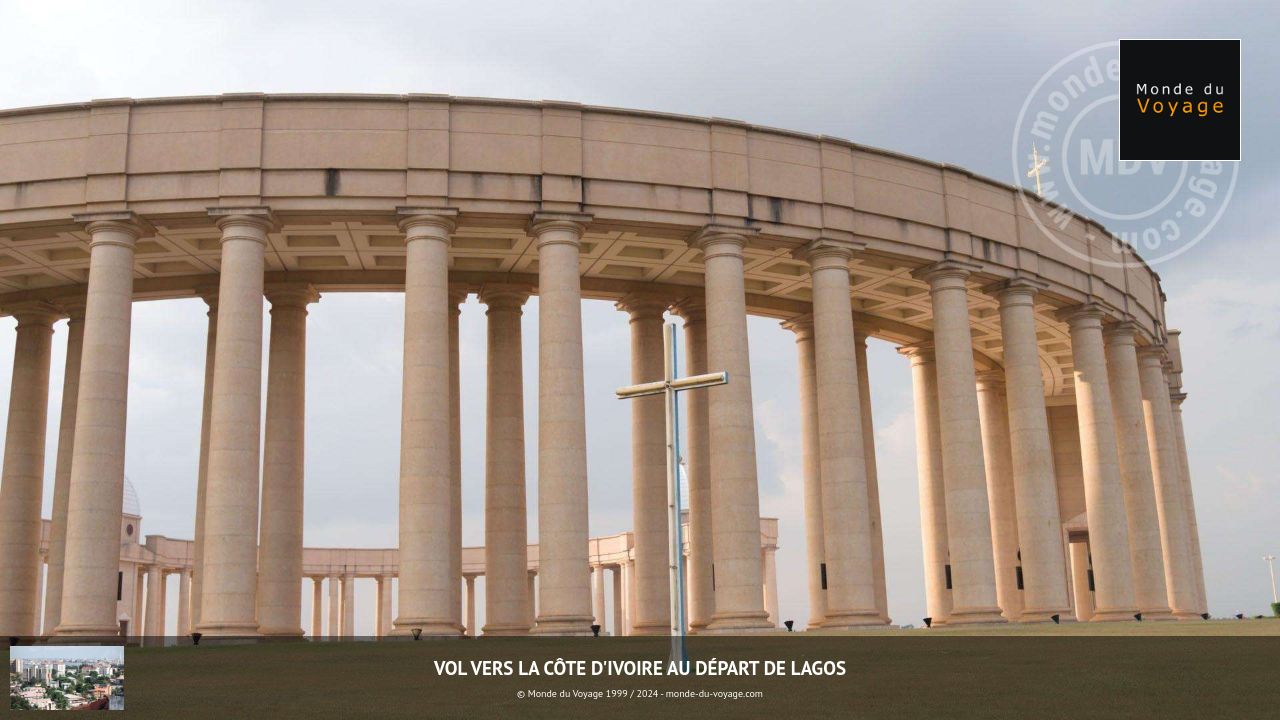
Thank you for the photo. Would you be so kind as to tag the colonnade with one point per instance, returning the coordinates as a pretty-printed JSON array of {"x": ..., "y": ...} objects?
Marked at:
[
  {"x": 994, "y": 543},
  {"x": 995, "y": 546}
]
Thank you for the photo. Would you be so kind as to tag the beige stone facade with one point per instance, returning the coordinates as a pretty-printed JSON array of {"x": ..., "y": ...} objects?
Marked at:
[{"x": 1048, "y": 388}]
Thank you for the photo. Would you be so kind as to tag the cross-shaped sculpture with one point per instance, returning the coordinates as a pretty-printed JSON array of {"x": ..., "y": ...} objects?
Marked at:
[{"x": 670, "y": 386}]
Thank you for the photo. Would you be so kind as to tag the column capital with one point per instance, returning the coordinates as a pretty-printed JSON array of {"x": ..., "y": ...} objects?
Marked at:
[
  {"x": 1176, "y": 398},
  {"x": 1016, "y": 291},
  {"x": 1152, "y": 355},
  {"x": 692, "y": 308},
  {"x": 291, "y": 295},
  {"x": 801, "y": 325},
  {"x": 114, "y": 228},
  {"x": 715, "y": 240},
  {"x": 644, "y": 305},
  {"x": 571, "y": 225},
  {"x": 1121, "y": 333},
  {"x": 504, "y": 296},
  {"x": 1082, "y": 315},
  {"x": 209, "y": 293},
  {"x": 419, "y": 223},
  {"x": 921, "y": 352},
  {"x": 826, "y": 252},
  {"x": 72, "y": 307},
  {"x": 252, "y": 222},
  {"x": 860, "y": 335},
  {"x": 457, "y": 295},
  {"x": 34, "y": 313},
  {"x": 993, "y": 379},
  {"x": 946, "y": 273}
]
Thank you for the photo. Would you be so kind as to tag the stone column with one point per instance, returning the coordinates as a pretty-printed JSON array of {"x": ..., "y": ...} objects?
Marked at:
[
  {"x": 202, "y": 472},
  {"x": 506, "y": 561},
  {"x": 97, "y": 467},
  {"x": 806, "y": 369},
  {"x": 626, "y": 597},
  {"x": 155, "y": 606},
  {"x": 873, "y": 482},
  {"x": 139, "y": 603},
  {"x": 228, "y": 605},
  {"x": 184, "y": 602},
  {"x": 735, "y": 497},
  {"x": 426, "y": 470},
  {"x": 994, "y": 415},
  {"x": 770, "y": 572},
  {"x": 649, "y": 467},
  {"x": 564, "y": 607},
  {"x": 384, "y": 605},
  {"x": 74, "y": 308},
  {"x": 317, "y": 607},
  {"x": 457, "y": 296},
  {"x": 348, "y": 605},
  {"x": 335, "y": 607},
  {"x": 1080, "y": 581},
  {"x": 973, "y": 594},
  {"x": 280, "y": 543},
  {"x": 471, "y": 605},
  {"x": 701, "y": 594},
  {"x": 1044, "y": 571},
  {"x": 933, "y": 501},
  {"x": 631, "y": 596},
  {"x": 1135, "y": 473},
  {"x": 533, "y": 598},
  {"x": 851, "y": 599},
  {"x": 1176, "y": 398},
  {"x": 1104, "y": 494},
  {"x": 1171, "y": 511},
  {"x": 23, "y": 480},
  {"x": 1188, "y": 499},
  {"x": 597, "y": 594},
  {"x": 618, "y": 629}
]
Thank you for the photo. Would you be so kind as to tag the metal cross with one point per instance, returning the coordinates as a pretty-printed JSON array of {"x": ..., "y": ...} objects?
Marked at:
[
  {"x": 1037, "y": 164},
  {"x": 1271, "y": 565},
  {"x": 670, "y": 386}
]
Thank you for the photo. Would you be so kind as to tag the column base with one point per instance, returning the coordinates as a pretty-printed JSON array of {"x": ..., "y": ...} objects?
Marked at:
[
  {"x": 1157, "y": 615},
  {"x": 851, "y": 619},
  {"x": 651, "y": 629},
  {"x": 729, "y": 623},
  {"x": 229, "y": 630},
  {"x": 1032, "y": 617},
  {"x": 567, "y": 625},
  {"x": 1114, "y": 615},
  {"x": 511, "y": 630},
  {"x": 281, "y": 633},
  {"x": 403, "y": 628},
  {"x": 975, "y": 616},
  {"x": 1186, "y": 615},
  {"x": 85, "y": 631}
]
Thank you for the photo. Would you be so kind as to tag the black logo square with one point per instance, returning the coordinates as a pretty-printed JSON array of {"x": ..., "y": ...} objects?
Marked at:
[{"x": 1179, "y": 99}]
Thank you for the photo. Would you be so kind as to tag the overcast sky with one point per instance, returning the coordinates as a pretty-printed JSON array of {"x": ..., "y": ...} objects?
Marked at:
[{"x": 943, "y": 82}]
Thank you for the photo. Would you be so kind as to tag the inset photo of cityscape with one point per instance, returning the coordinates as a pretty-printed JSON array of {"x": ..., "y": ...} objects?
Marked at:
[{"x": 66, "y": 677}]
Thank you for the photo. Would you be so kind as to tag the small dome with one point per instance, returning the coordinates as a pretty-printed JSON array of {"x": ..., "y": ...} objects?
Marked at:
[{"x": 131, "y": 506}]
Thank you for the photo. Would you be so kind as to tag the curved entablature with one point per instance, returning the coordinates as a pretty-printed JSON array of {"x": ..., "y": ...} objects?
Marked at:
[
  {"x": 177, "y": 555},
  {"x": 335, "y": 168}
]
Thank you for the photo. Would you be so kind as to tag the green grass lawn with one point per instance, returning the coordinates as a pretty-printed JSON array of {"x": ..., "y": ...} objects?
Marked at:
[{"x": 1166, "y": 670}]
